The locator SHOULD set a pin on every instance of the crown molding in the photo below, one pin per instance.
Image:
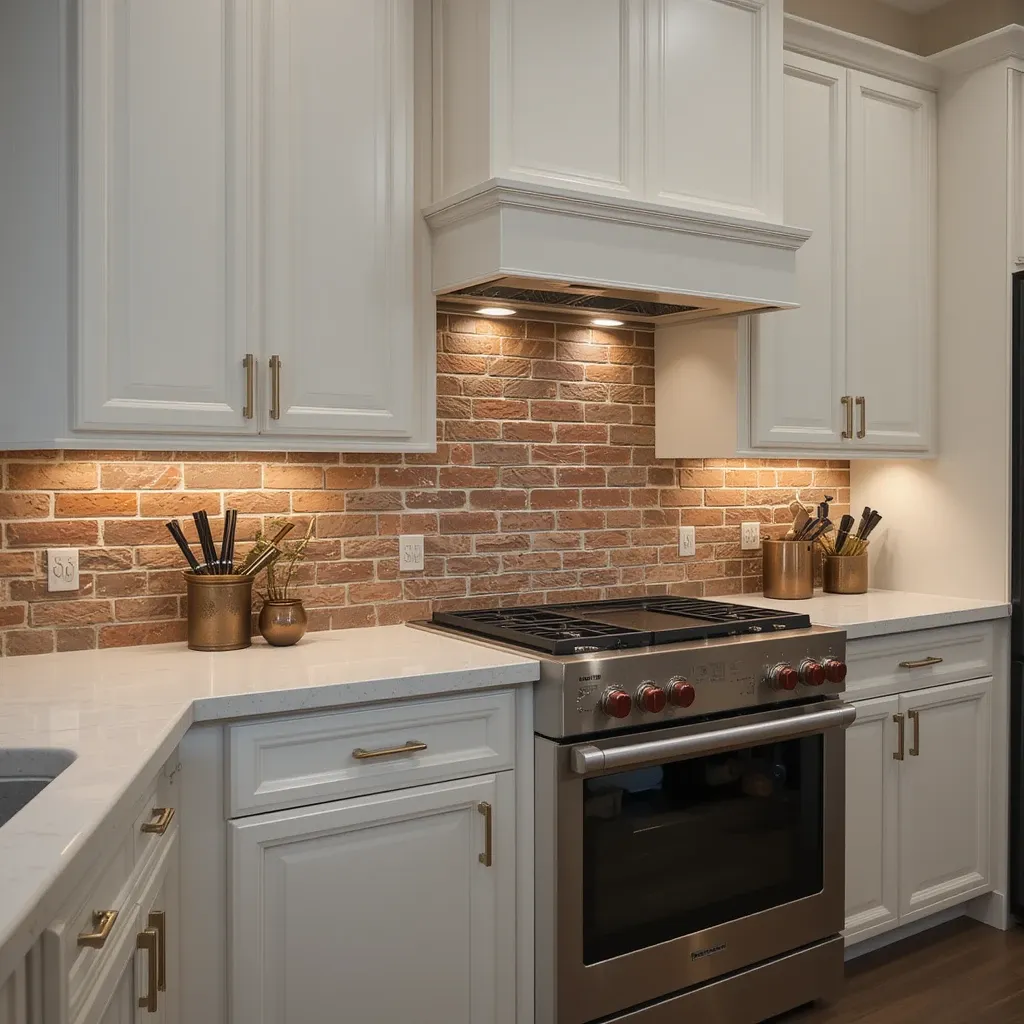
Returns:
(1002, 44)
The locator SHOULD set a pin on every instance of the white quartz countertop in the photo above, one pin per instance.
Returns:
(881, 612)
(122, 713)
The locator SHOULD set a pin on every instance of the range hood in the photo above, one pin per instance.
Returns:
(539, 248)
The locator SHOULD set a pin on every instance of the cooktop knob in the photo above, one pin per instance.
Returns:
(616, 703)
(681, 693)
(783, 677)
(811, 672)
(651, 698)
(835, 670)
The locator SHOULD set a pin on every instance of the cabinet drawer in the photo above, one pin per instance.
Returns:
(912, 661)
(315, 758)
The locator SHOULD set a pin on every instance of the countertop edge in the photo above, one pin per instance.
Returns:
(933, 620)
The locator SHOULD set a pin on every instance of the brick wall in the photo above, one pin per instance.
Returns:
(544, 487)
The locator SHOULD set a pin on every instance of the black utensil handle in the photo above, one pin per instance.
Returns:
(227, 548)
(202, 522)
(179, 538)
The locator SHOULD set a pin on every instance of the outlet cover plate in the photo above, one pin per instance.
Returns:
(750, 536)
(410, 552)
(61, 569)
(687, 541)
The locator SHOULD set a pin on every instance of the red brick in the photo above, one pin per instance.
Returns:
(468, 522)
(372, 593)
(526, 522)
(563, 454)
(504, 366)
(138, 609)
(435, 499)
(554, 498)
(558, 411)
(224, 476)
(12, 614)
(121, 584)
(350, 478)
(502, 542)
(610, 374)
(28, 641)
(408, 476)
(96, 503)
(353, 618)
(45, 476)
(293, 477)
(142, 633)
(472, 430)
(75, 638)
(24, 506)
(560, 541)
(454, 364)
(605, 497)
(67, 533)
(346, 525)
(531, 560)
(71, 613)
(500, 454)
(372, 501)
(419, 587)
(178, 503)
(581, 433)
(538, 433)
(468, 476)
(21, 563)
(530, 389)
(500, 409)
(555, 370)
(402, 611)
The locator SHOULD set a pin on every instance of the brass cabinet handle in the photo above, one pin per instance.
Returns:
(161, 821)
(915, 717)
(157, 920)
(898, 756)
(409, 748)
(103, 924)
(923, 663)
(275, 387)
(848, 406)
(862, 405)
(487, 857)
(147, 941)
(249, 362)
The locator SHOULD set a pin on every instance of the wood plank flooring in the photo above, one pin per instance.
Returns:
(959, 973)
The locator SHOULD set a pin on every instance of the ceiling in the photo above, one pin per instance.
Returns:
(915, 6)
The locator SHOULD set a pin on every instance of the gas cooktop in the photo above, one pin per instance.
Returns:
(560, 629)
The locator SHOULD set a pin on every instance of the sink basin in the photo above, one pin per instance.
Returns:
(25, 773)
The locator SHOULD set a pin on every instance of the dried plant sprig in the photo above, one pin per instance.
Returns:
(281, 572)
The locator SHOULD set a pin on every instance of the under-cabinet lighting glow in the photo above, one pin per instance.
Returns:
(496, 311)
(603, 321)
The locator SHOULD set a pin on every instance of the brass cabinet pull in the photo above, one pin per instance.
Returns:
(157, 920)
(103, 924)
(409, 748)
(915, 717)
(848, 406)
(161, 821)
(898, 756)
(249, 362)
(862, 405)
(147, 942)
(923, 663)
(487, 857)
(275, 387)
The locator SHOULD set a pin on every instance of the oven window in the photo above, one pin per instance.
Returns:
(691, 844)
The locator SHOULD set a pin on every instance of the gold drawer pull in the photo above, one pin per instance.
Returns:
(161, 821)
(103, 924)
(147, 941)
(487, 857)
(249, 362)
(367, 755)
(923, 663)
(915, 717)
(157, 920)
(898, 755)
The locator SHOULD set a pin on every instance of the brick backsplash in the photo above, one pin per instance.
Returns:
(544, 487)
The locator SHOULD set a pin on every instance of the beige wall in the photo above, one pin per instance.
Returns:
(954, 22)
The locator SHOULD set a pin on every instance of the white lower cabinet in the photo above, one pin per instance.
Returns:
(918, 778)
(123, 1005)
(393, 907)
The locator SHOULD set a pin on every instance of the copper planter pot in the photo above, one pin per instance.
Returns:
(219, 612)
(788, 569)
(283, 623)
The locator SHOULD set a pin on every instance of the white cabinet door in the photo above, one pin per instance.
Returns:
(163, 98)
(798, 357)
(714, 105)
(377, 909)
(891, 262)
(872, 820)
(945, 786)
(340, 214)
(569, 109)
(123, 1006)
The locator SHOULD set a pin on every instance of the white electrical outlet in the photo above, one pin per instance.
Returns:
(410, 552)
(750, 536)
(687, 541)
(61, 569)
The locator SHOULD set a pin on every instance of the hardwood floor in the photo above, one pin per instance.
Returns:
(959, 973)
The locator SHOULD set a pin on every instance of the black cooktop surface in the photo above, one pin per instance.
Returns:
(615, 625)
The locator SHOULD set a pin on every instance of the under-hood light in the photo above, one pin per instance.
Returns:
(496, 311)
(603, 321)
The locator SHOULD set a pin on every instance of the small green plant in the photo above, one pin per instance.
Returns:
(281, 571)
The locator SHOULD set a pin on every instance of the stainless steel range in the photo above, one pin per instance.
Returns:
(690, 788)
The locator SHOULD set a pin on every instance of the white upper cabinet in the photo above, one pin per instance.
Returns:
(714, 88)
(673, 101)
(891, 262)
(163, 184)
(340, 212)
(798, 359)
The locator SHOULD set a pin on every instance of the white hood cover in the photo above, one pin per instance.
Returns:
(550, 248)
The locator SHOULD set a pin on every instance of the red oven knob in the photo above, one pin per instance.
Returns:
(783, 677)
(651, 698)
(616, 703)
(681, 693)
(811, 672)
(835, 670)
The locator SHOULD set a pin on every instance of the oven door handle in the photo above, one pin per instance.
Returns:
(588, 759)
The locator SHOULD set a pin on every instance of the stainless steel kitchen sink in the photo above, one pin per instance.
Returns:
(25, 773)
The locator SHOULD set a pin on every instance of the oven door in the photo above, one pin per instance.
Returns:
(668, 858)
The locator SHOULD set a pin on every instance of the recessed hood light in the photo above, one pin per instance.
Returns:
(603, 321)
(496, 311)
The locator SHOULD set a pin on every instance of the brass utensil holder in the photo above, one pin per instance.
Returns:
(219, 612)
(845, 574)
(788, 569)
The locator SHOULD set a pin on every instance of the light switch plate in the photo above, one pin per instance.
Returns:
(410, 552)
(61, 569)
(750, 536)
(687, 541)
